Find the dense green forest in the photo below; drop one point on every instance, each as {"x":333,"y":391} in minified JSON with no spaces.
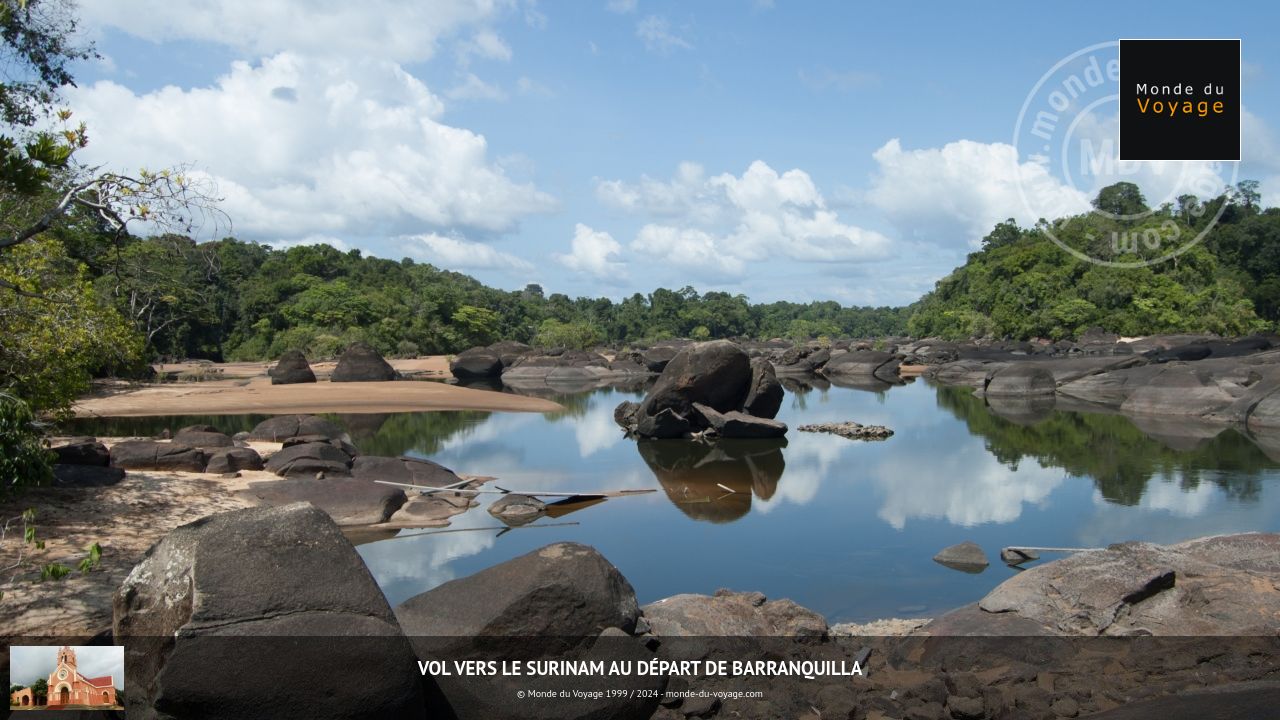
{"x":1020,"y":285}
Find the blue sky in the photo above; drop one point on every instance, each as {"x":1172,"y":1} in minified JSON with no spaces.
{"x":608,"y":147}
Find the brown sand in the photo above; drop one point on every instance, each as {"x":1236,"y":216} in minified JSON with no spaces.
{"x":259,"y":396}
{"x":125,"y":520}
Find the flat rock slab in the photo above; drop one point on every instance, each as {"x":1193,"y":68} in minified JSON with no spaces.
{"x":152,"y":455}
{"x":403,"y":470}
{"x":731,"y":614}
{"x":347,"y":501}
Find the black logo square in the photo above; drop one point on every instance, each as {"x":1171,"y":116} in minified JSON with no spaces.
{"x":1179,"y":99}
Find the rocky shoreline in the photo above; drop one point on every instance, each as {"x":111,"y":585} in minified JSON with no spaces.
{"x":1200,"y":615}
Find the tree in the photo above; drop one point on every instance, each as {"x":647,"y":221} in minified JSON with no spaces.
{"x":40,"y":689}
{"x":1122,"y":199}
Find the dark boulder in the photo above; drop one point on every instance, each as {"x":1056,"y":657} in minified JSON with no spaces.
{"x":199,"y":436}
{"x":283,"y":427}
{"x":1020,"y":380}
{"x":478,"y":362}
{"x":291,"y":369}
{"x":410,"y":471}
{"x":347,"y":501}
{"x":231,"y":460}
{"x":716,"y":374}
{"x":339,"y":443}
{"x":308,"y":459}
{"x":86,"y":475}
{"x":965,"y":557}
{"x":565,"y":594}
{"x":666,"y":425}
{"x":271,"y":588}
{"x":737,"y":425}
{"x":152,"y":455}
{"x":82,"y":451}
{"x":863,"y":362}
{"x":764,"y":399}
{"x":1184,"y":353}
{"x":361,"y":363}
{"x":625,"y":414}
{"x":508,"y":351}
{"x":656,"y":358}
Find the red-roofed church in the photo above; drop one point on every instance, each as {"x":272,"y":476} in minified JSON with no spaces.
{"x":68,"y":687}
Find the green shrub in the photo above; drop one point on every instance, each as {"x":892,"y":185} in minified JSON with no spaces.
{"x":23,"y":459}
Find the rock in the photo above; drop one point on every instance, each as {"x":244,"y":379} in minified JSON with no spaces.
{"x":625,"y":415}
{"x":152,"y":455}
{"x":232,"y":460}
{"x":965,"y":557}
{"x":291,"y":369}
{"x":851,"y":430}
{"x":1224,"y":702}
{"x":737,"y":425}
{"x":966,"y":708}
{"x":1110,"y":388}
{"x":85,"y":475}
{"x":1184,"y":353}
{"x":270,"y":573}
{"x":1217,"y":586}
{"x":864,"y":362}
{"x":1065,"y":707}
{"x":283,"y":427}
{"x":717,"y":374}
{"x":309,"y":458}
{"x":361,"y":363}
{"x":694,"y":475}
{"x":656,"y":358}
{"x":1183,"y":391}
{"x":565,"y":593}
{"x":201,"y":438}
{"x":700,"y":707}
{"x":508,"y":351}
{"x":1018,"y":556}
{"x":478,"y":362}
{"x":1021,"y":379}
{"x":517,"y":509}
{"x":346,"y":500}
{"x":411,"y":471}
{"x":339,"y":443}
{"x":730,"y":614}
{"x":665,"y":425}
{"x":764,"y":398}
{"x":82,"y":451}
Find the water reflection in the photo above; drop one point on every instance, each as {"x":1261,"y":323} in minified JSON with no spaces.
{"x":715,"y":482}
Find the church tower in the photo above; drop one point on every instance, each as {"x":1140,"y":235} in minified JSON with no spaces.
{"x":67,"y":656}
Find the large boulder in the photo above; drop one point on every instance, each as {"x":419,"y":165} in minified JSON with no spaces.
{"x":283,"y":427}
{"x":1181,"y":390}
{"x":1110,"y":388}
{"x":1216,"y":586}
{"x":508,"y":351}
{"x":1020,"y":380}
{"x":82,"y":451}
{"x":153,"y":455}
{"x":411,"y":471}
{"x":1265,"y":414}
{"x":82,"y":476}
{"x":202,"y":436}
{"x":307,"y":459}
{"x":361,"y":363}
{"x":764,"y":398}
{"x":716,"y":374}
{"x":276,"y":589}
{"x":656,"y":358}
{"x":732,"y":614}
{"x":292,"y":368}
{"x":564,"y":593}
{"x":235,"y":459}
{"x":346,"y":500}
{"x":476,"y":363}
{"x":866,"y":363}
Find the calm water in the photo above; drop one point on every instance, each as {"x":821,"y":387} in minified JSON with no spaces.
{"x":844,"y":527}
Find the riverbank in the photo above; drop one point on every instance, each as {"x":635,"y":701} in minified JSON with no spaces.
{"x":244,"y":388}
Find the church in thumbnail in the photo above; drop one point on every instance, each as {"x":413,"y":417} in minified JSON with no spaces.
{"x":68,"y":687}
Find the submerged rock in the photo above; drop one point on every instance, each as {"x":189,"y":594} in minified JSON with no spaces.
{"x":965,"y":557}
{"x":517,"y":509}
{"x":850,"y":430}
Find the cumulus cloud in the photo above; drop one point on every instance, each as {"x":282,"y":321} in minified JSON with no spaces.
{"x":473,"y":88}
{"x":485,"y":44}
{"x":451,"y":252}
{"x":719,"y":224}
{"x":656,"y":32}
{"x":960,"y":191}
{"x":301,"y":146}
{"x":592,"y":253}
{"x":401,"y":30}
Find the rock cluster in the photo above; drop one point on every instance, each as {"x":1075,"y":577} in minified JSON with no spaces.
{"x":712,"y":388}
{"x":850,"y":430}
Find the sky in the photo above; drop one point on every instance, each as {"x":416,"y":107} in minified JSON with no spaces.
{"x":784,"y":150}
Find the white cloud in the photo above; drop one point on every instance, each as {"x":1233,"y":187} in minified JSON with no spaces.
{"x":719,"y":224}
{"x":656,"y":32}
{"x":456,"y":253}
{"x":960,"y":191}
{"x":399,"y":30}
{"x":592,"y":253}
{"x":473,"y":88}
{"x":301,"y":146}
{"x":485,"y":44}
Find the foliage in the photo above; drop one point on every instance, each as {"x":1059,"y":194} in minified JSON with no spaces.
{"x":1021,"y":286}
{"x":572,"y":335}
{"x":23,"y":459}
{"x":40,"y":689}
{"x":55,"y":329}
